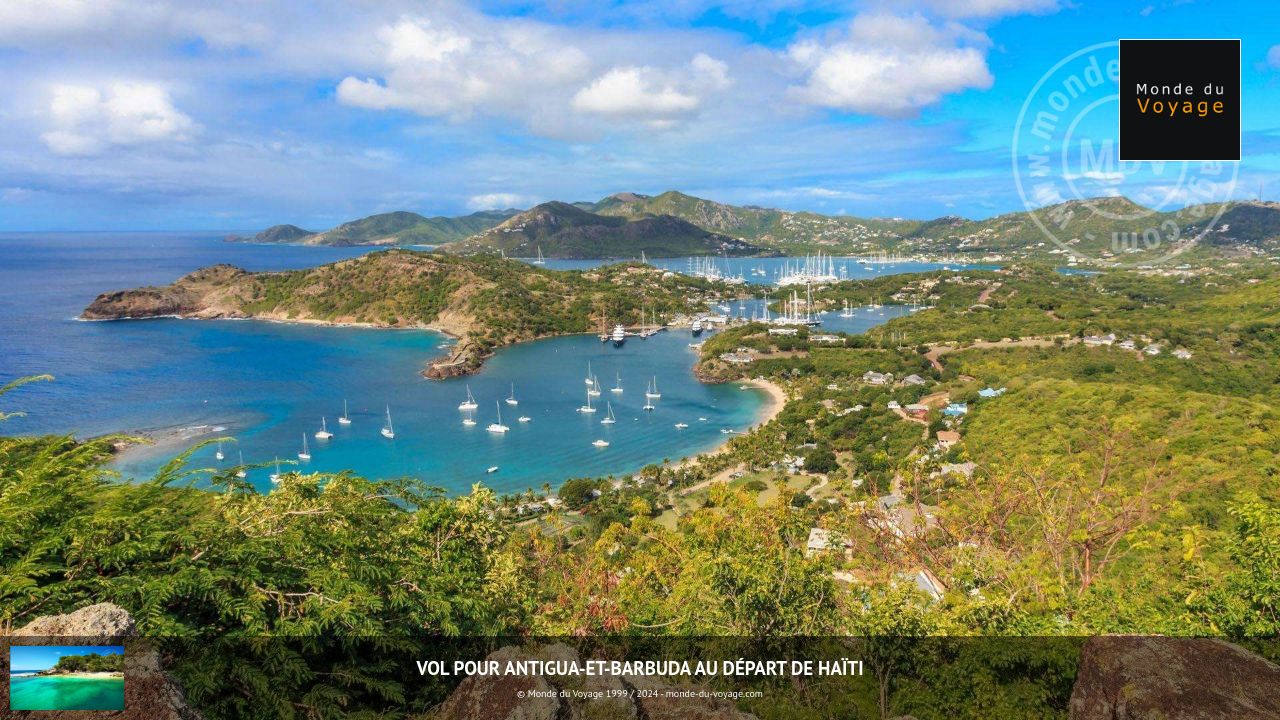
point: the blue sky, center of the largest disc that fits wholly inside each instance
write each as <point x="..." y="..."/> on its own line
<point x="125" y="114"/>
<point x="43" y="657"/>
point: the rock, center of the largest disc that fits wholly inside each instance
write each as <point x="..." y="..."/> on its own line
<point x="1146" y="678"/>
<point x="149" y="692"/>
<point x="572" y="697"/>
<point x="103" y="620"/>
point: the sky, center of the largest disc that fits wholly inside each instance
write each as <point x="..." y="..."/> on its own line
<point x="237" y="115"/>
<point x="43" y="657"/>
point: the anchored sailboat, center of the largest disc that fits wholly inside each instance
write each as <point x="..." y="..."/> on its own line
<point x="512" y="400"/>
<point x="241" y="473"/>
<point x="617" y="387"/>
<point x="610" y="419"/>
<point x="652" y="393"/>
<point x="218" y="455"/>
<point x="469" y="420"/>
<point x="305" y="454"/>
<point x="346" y="416"/>
<point x="469" y="403"/>
<point x="388" y="431"/>
<point x="323" y="433"/>
<point x="498" y="427"/>
<point x="587" y="408"/>
<point x="590" y="378"/>
<point x="541" y="260"/>
<point x="275" y="476"/>
<point x="594" y="390"/>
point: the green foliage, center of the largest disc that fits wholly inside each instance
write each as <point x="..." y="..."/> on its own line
<point x="90" y="663"/>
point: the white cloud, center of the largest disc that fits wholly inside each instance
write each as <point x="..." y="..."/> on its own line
<point x="497" y="201"/>
<point x="458" y="67"/>
<point x="652" y="95"/>
<point x="1273" y="57"/>
<point x="86" y="120"/>
<point x="891" y="66"/>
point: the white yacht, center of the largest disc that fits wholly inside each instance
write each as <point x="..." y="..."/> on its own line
<point x="609" y="419"/>
<point x="241" y="473"/>
<point x="590" y="379"/>
<point x="512" y="400"/>
<point x="681" y="426"/>
<point x="305" y="454"/>
<point x="540" y="260"/>
<point x="469" y="403"/>
<point x="469" y="420"/>
<point x="697" y="327"/>
<point x="388" y="431"/>
<point x="523" y="418"/>
<point x="587" y="408"/>
<point x="345" y="419"/>
<point x="323" y="433"/>
<point x="617" y="387"/>
<point x="619" y="335"/>
<point x="601" y="443"/>
<point x="218" y="455"/>
<point x="652" y="393"/>
<point x="498" y="427"/>
<point x="275" y="476"/>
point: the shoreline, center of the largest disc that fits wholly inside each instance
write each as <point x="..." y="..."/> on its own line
<point x="776" y="400"/>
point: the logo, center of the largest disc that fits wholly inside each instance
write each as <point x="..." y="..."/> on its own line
<point x="1083" y="197"/>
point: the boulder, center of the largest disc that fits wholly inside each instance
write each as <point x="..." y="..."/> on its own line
<point x="1164" y="678"/>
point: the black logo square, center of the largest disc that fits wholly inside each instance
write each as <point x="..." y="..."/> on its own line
<point x="1179" y="100"/>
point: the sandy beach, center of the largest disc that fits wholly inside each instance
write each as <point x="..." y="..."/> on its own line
<point x="777" y="400"/>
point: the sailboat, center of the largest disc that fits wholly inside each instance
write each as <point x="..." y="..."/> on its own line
<point x="594" y="390"/>
<point x="275" y="476"/>
<point x="323" y="433"/>
<point x="512" y="400"/>
<point x="590" y="378"/>
<point x="498" y="427"/>
<point x="848" y="311"/>
<point x="346" y="416"/>
<point x="305" y="454"/>
<point x="541" y="260"/>
<point x="652" y="393"/>
<point x="218" y="455"/>
<point x="610" y="419"/>
<point x="648" y="395"/>
<point x="587" y="408"/>
<point x="617" y="387"/>
<point x="469" y="403"/>
<point x="469" y="420"/>
<point x="643" y="259"/>
<point x="388" y="431"/>
<point x="241" y="473"/>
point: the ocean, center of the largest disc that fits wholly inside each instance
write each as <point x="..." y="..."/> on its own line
<point x="65" y="693"/>
<point x="268" y="385"/>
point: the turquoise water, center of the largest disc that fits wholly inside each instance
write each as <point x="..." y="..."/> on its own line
<point x="267" y="384"/>
<point x="65" y="693"/>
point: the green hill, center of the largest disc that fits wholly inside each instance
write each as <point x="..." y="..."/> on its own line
<point x="484" y="301"/>
<point x="562" y="230"/>
<point x="393" y="228"/>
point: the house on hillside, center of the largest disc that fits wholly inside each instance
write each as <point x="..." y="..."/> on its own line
<point x="1100" y="340"/>
<point x="913" y="380"/>
<point x="991" y="392"/>
<point x="917" y="410"/>
<point x="1152" y="349"/>
<point x="871" y="377"/>
<point x="947" y="438"/>
<point x="1182" y="354"/>
<point x="822" y="540"/>
<point x="929" y="583"/>
<point x="955" y="409"/>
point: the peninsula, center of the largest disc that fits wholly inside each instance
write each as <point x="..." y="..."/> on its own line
<point x="484" y="301"/>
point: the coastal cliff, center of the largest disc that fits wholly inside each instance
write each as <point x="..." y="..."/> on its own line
<point x="484" y="302"/>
